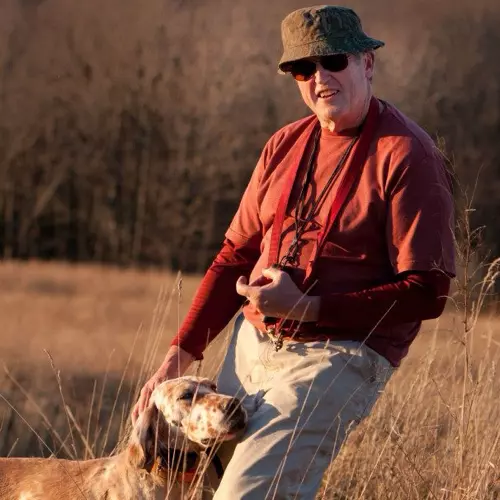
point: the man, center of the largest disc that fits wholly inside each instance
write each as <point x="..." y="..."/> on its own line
<point x="341" y="246"/>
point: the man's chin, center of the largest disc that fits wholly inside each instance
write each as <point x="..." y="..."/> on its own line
<point x="330" y="116"/>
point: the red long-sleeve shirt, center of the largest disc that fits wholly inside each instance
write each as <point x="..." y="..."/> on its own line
<point x="382" y="268"/>
<point x="411" y="297"/>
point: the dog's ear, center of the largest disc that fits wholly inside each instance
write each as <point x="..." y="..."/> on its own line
<point x="142" y="446"/>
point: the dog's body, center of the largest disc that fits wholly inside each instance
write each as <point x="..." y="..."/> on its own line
<point x="185" y="416"/>
<point x="111" y="478"/>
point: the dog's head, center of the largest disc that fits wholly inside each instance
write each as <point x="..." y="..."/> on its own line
<point x="183" y="414"/>
<point x="193" y="405"/>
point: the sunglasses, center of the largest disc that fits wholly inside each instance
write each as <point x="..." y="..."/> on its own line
<point x="304" y="69"/>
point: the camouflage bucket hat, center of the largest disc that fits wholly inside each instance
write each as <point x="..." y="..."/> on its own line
<point x="322" y="31"/>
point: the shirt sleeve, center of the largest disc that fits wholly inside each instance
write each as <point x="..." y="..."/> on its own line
<point x="420" y="221"/>
<point x="246" y="224"/>
<point x="413" y="296"/>
<point x="216" y="300"/>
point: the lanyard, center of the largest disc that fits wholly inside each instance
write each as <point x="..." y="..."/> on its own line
<point x="354" y="163"/>
<point x="353" y="168"/>
<point x="302" y="221"/>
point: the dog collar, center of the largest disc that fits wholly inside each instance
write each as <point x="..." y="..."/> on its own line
<point x="185" y="463"/>
<point x="216" y="462"/>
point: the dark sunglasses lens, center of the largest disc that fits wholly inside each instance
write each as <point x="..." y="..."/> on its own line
<point x="335" y="63"/>
<point x="302" y="70"/>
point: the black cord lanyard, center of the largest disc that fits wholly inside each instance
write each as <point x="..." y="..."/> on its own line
<point x="302" y="221"/>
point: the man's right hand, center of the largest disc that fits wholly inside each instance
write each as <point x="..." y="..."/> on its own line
<point x="176" y="363"/>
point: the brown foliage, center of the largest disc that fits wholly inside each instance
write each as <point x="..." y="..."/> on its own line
<point x="128" y="130"/>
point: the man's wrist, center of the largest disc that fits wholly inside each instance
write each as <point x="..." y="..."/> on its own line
<point x="311" y="309"/>
<point x="176" y="362"/>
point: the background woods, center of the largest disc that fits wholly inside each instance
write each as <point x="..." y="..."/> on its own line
<point x="128" y="130"/>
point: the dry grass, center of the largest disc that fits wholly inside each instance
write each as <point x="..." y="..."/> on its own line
<point x="93" y="332"/>
<point x="78" y="312"/>
<point x="434" y="434"/>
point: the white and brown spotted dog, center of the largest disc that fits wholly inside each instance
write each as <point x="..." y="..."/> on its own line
<point x="185" y="417"/>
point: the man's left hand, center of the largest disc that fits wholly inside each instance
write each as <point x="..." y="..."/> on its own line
<point x="275" y="294"/>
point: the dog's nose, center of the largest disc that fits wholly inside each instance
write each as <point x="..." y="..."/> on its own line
<point x="232" y="406"/>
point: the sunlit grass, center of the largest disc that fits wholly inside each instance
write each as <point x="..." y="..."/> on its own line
<point x="433" y="434"/>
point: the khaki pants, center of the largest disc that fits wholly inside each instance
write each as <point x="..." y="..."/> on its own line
<point x="314" y="393"/>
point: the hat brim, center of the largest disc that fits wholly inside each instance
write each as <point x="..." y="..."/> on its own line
<point x="328" y="47"/>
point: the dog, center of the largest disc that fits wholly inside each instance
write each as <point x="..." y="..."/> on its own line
<point x="165" y="456"/>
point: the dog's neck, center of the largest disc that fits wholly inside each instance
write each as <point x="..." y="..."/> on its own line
<point x="172" y="463"/>
<point x="162" y="476"/>
<point x="173" y="467"/>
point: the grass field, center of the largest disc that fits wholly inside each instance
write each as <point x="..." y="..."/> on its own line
<point x="85" y="336"/>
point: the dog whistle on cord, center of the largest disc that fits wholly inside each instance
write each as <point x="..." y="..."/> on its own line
<point x="276" y="337"/>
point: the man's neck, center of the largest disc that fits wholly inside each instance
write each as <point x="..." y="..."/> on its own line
<point x="352" y="122"/>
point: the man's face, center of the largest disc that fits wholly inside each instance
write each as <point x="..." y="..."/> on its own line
<point x="339" y="99"/>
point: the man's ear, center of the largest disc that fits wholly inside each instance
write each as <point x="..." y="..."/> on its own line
<point x="369" y="62"/>
<point x="143" y="441"/>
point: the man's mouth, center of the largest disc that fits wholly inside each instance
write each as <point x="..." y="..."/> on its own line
<point x="326" y="94"/>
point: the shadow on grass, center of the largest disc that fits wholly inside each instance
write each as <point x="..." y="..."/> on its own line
<point x="82" y="416"/>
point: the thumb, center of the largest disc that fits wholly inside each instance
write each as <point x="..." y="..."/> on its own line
<point x="242" y="286"/>
<point x="272" y="273"/>
<point x="242" y="280"/>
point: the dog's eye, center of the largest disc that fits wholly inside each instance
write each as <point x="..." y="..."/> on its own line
<point x="187" y="395"/>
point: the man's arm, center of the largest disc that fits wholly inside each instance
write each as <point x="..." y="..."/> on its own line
<point x="215" y="303"/>
<point x="412" y="296"/>
<point x="419" y="231"/>
<point x="216" y="300"/>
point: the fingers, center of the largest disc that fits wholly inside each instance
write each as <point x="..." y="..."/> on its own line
<point x="255" y="291"/>
<point x="141" y="404"/>
<point x="248" y="290"/>
<point x="144" y="399"/>
<point x="272" y="273"/>
<point x="260" y="281"/>
<point x="135" y="414"/>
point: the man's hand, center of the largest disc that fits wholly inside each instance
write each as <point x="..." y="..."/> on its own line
<point x="175" y="365"/>
<point x="145" y="394"/>
<point x="275" y="294"/>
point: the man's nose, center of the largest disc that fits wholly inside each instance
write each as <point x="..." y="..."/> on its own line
<point x="321" y="75"/>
